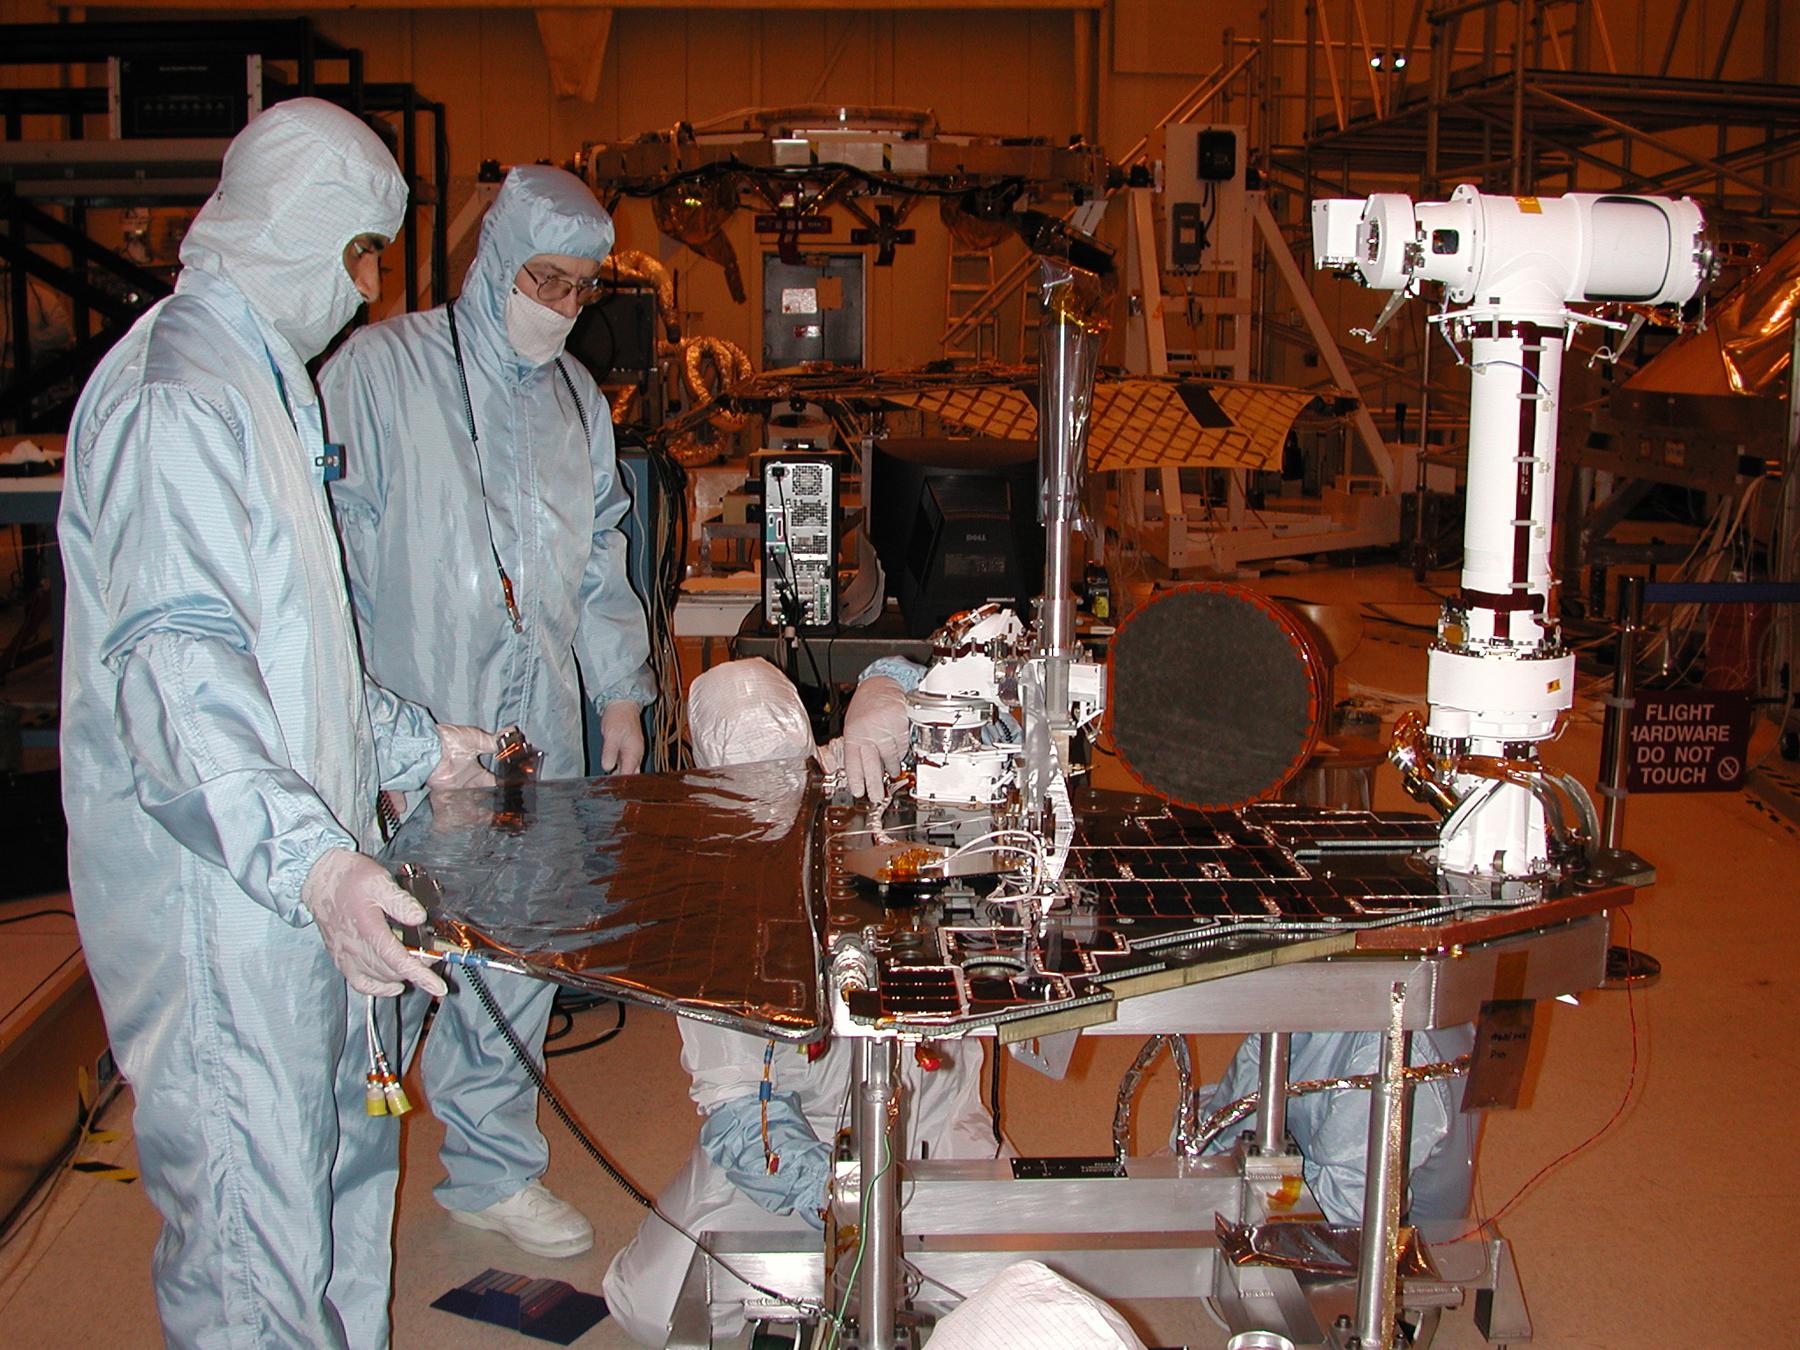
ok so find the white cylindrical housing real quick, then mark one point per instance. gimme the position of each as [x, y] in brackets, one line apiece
[977, 777]
[1382, 236]
[1648, 250]
[1449, 239]
[1495, 698]
[1517, 378]
[1522, 256]
[1527, 257]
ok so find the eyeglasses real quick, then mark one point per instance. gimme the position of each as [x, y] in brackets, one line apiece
[556, 286]
[365, 244]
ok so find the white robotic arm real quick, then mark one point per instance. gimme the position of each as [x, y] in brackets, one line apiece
[1511, 267]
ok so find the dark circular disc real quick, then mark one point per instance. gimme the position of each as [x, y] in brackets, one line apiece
[1214, 695]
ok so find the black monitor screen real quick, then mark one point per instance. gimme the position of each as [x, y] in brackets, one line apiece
[615, 337]
[955, 524]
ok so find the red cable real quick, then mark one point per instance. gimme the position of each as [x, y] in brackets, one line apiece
[1613, 1119]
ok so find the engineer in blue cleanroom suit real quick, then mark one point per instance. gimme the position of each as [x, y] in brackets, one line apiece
[479, 511]
[1331, 1128]
[740, 1178]
[222, 751]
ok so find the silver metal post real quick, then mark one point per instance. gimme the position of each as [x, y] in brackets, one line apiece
[1378, 1270]
[1617, 723]
[1271, 1110]
[1068, 359]
[878, 1153]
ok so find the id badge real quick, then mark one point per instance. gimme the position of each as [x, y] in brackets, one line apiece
[331, 463]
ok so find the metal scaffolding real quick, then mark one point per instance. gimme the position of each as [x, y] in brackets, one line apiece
[1536, 95]
[1526, 97]
[49, 183]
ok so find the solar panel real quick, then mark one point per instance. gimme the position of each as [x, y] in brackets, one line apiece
[713, 894]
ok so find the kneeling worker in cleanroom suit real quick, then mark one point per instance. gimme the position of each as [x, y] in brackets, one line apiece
[748, 1172]
[480, 509]
[1331, 1127]
[222, 751]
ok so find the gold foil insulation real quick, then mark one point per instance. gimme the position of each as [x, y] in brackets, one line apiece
[1747, 344]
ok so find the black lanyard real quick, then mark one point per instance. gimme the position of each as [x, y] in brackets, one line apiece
[462, 375]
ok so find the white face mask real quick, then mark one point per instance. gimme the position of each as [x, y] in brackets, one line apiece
[311, 319]
[536, 331]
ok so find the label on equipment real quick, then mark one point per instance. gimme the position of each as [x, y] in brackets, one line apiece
[1688, 740]
[1062, 1169]
[1502, 1050]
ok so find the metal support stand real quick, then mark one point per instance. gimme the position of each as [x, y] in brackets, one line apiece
[1623, 964]
[1618, 708]
[1271, 1110]
[877, 1281]
[1378, 1270]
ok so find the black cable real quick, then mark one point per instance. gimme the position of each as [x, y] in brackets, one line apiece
[782, 176]
[601, 1039]
[573, 1001]
[542, 1084]
[38, 914]
[669, 528]
[1380, 615]
[593, 1149]
[487, 515]
[994, 1098]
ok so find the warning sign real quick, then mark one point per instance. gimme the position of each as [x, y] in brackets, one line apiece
[1690, 740]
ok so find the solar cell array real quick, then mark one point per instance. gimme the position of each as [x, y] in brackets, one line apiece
[1157, 877]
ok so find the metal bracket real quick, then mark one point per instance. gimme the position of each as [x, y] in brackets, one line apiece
[1500, 1312]
[1393, 306]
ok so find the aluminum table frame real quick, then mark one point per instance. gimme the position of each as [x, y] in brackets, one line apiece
[1149, 1234]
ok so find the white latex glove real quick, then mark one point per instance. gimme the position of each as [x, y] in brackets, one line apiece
[352, 897]
[621, 737]
[876, 737]
[459, 763]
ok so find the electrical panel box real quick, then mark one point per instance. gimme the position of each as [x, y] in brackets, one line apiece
[180, 96]
[802, 525]
[1201, 177]
[1216, 155]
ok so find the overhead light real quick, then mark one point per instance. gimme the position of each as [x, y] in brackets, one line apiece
[1375, 61]
[1399, 60]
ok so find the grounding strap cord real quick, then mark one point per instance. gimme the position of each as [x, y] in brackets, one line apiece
[593, 1149]
[487, 514]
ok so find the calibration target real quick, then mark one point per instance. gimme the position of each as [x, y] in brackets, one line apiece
[1215, 695]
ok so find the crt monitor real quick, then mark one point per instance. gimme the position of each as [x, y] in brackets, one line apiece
[955, 524]
[615, 337]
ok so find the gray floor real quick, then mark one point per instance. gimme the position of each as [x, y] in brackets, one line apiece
[1668, 1231]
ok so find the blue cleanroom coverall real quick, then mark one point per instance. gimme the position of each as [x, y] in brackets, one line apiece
[431, 610]
[219, 737]
[1331, 1127]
